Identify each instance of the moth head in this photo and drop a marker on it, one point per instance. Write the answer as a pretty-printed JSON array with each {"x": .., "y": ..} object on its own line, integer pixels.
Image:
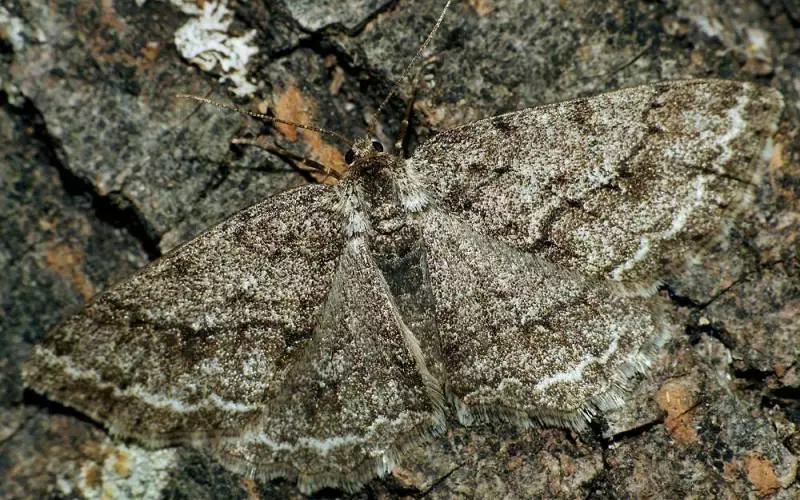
[{"x": 363, "y": 152}]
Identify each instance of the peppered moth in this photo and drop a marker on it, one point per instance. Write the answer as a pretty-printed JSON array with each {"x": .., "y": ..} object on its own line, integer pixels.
[{"x": 506, "y": 271}]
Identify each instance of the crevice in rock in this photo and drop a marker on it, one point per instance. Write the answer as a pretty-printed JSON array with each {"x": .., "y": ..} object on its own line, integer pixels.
[
  {"x": 114, "y": 208},
  {"x": 323, "y": 41},
  {"x": 386, "y": 7},
  {"x": 214, "y": 181},
  {"x": 714, "y": 329},
  {"x": 686, "y": 301},
  {"x": 600, "y": 486},
  {"x": 752, "y": 374},
  {"x": 681, "y": 300},
  {"x": 439, "y": 481},
  {"x": 632, "y": 433},
  {"x": 326, "y": 42},
  {"x": 784, "y": 397},
  {"x": 35, "y": 400},
  {"x": 787, "y": 399}
]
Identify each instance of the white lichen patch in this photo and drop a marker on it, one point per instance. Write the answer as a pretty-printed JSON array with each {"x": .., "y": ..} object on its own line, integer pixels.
[
  {"x": 12, "y": 29},
  {"x": 127, "y": 472},
  {"x": 205, "y": 41},
  {"x": 19, "y": 35}
]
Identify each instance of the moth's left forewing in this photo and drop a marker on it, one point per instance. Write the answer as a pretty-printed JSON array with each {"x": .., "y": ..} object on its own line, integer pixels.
[{"x": 623, "y": 184}]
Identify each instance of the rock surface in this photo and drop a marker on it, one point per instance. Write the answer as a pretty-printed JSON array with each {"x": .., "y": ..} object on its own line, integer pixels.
[{"x": 104, "y": 170}]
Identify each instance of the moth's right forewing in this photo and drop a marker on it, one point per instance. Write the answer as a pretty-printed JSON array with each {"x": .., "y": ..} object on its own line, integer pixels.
[
  {"x": 191, "y": 344},
  {"x": 622, "y": 184}
]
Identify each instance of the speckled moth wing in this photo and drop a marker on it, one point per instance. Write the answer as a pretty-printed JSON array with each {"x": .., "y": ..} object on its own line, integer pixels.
[
  {"x": 193, "y": 343},
  {"x": 357, "y": 397},
  {"x": 622, "y": 184},
  {"x": 525, "y": 340}
]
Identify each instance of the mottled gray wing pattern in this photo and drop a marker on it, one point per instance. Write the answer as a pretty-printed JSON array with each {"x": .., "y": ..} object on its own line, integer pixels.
[
  {"x": 524, "y": 340},
  {"x": 353, "y": 400},
  {"x": 279, "y": 347},
  {"x": 621, "y": 184},
  {"x": 194, "y": 343}
]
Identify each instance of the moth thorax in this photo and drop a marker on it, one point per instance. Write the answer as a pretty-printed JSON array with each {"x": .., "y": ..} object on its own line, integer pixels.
[
  {"x": 374, "y": 164},
  {"x": 392, "y": 182}
]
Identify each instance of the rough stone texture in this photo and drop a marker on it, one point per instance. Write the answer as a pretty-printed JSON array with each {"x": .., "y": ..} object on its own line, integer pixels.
[
  {"x": 102, "y": 170},
  {"x": 315, "y": 14}
]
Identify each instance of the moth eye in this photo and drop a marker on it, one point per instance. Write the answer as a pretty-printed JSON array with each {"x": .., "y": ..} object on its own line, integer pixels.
[
  {"x": 349, "y": 157},
  {"x": 377, "y": 146}
]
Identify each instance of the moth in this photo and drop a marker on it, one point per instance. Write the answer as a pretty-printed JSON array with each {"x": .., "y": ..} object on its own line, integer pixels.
[{"x": 507, "y": 271}]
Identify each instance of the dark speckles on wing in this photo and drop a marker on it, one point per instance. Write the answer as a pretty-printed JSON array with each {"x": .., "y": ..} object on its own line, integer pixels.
[
  {"x": 581, "y": 115},
  {"x": 521, "y": 288},
  {"x": 651, "y": 161},
  {"x": 505, "y": 127}
]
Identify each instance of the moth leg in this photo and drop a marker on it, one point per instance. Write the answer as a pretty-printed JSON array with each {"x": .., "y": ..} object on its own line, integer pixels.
[
  {"x": 401, "y": 144},
  {"x": 321, "y": 173}
]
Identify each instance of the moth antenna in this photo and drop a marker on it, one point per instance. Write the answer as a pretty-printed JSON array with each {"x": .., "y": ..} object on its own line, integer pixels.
[
  {"x": 373, "y": 120},
  {"x": 267, "y": 118}
]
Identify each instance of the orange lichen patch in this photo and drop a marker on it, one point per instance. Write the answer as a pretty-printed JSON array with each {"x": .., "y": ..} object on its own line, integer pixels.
[
  {"x": 151, "y": 50},
  {"x": 46, "y": 224},
  {"x": 109, "y": 17},
  {"x": 121, "y": 464},
  {"x": 761, "y": 474},
  {"x": 777, "y": 160},
  {"x": 327, "y": 155},
  {"x": 675, "y": 26},
  {"x": 329, "y": 61},
  {"x": 95, "y": 451},
  {"x": 66, "y": 261},
  {"x": 292, "y": 105},
  {"x": 697, "y": 59},
  {"x": 730, "y": 471},
  {"x": 482, "y": 7},
  {"x": 252, "y": 488},
  {"x": 93, "y": 475},
  {"x": 515, "y": 463},
  {"x": 678, "y": 401},
  {"x": 402, "y": 474},
  {"x": 337, "y": 81}
]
